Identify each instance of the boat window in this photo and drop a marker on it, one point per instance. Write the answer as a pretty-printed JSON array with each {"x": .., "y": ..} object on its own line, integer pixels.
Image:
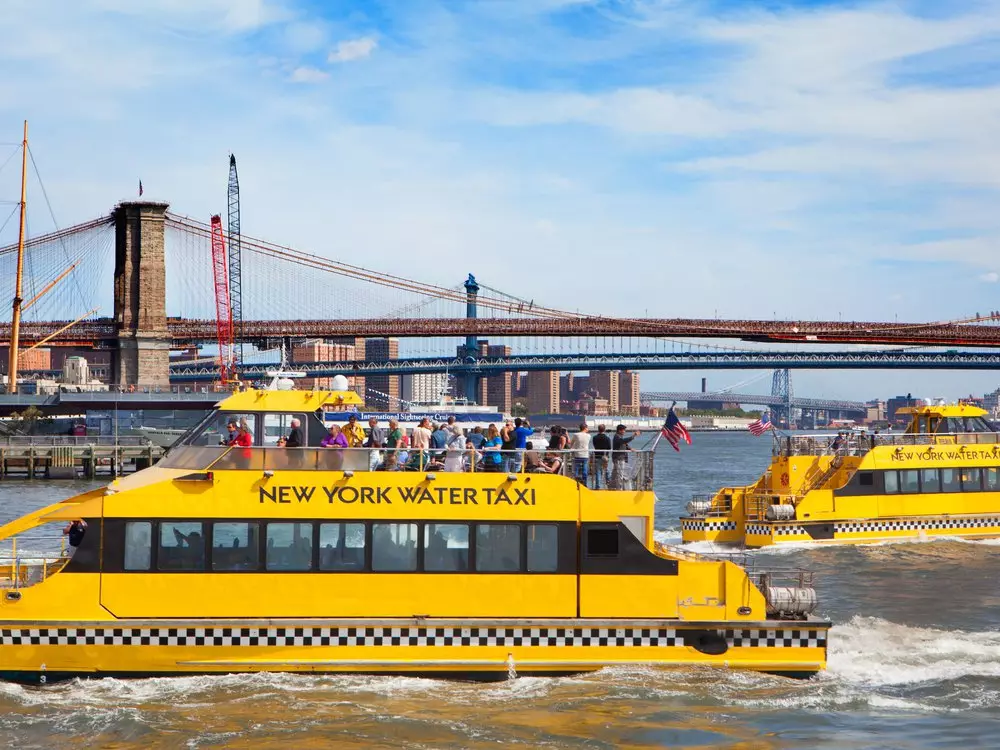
[
  {"x": 138, "y": 544},
  {"x": 235, "y": 546},
  {"x": 930, "y": 481},
  {"x": 182, "y": 546},
  {"x": 277, "y": 426},
  {"x": 602, "y": 542},
  {"x": 446, "y": 546},
  {"x": 891, "y": 482},
  {"x": 543, "y": 548},
  {"x": 950, "y": 480},
  {"x": 866, "y": 478},
  {"x": 972, "y": 480},
  {"x": 498, "y": 547},
  {"x": 214, "y": 431},
  {"x": 909, "y": 481},
  {"x": 991, "y": 479},
  {"x": 289, "y": 546},
  {"x": 394, "y": 546},
  {"x": 342, "y": 546}
]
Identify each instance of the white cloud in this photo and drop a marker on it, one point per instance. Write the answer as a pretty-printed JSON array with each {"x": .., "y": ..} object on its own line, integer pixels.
[
  {"x": 308, "y": 74},
  {"x": 992, "y": 277},
  {"x": 353, "y": 49}
]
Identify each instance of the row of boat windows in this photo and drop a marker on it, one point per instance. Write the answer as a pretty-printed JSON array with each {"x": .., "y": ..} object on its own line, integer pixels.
[
  {"x": 908, "y": 481},
  {"x": 381, "y": 547}
]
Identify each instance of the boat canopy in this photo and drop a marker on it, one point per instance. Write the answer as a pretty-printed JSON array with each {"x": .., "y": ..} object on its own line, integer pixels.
[
  {"x": 953, "y": 419},
  {"x": 290, "y": 402}
]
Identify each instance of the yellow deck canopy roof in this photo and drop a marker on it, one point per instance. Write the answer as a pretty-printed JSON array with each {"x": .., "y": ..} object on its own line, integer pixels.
[
  {"x": 944, "y": 410},
  {"x": 288, "y": 401}
]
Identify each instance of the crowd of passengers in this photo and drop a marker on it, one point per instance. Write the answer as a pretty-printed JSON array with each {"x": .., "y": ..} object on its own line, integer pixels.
[{"x": 597, "y": 460}]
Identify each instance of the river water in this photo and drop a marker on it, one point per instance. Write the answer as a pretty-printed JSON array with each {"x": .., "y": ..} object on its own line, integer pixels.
[{"x": 914, "y": 662}]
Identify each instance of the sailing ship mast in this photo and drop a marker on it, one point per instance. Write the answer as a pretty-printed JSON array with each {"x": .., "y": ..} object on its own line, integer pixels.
[{"x": 15, "y": 321}]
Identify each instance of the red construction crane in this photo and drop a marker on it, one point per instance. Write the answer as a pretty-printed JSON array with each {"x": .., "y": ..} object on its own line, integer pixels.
[{"x": 223, "y": 311}]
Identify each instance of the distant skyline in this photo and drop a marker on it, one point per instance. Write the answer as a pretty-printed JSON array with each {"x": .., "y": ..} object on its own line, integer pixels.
[{"x": 810, "y": 159}]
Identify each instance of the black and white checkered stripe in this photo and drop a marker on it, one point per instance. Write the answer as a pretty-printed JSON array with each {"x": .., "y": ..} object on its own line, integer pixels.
[
  {"x": 776, "y": 638},
  {"x": 704, "y": 525},
  {"x": 401, "y": 636},
  {"x": 914, "y": 524},
  {"x": 768, "y": 530}
]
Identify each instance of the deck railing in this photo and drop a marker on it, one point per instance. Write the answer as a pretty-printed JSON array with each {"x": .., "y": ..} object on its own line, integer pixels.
[
  {"x": 625, "y": 470},
  {"x": 29, "y": 559},
  {"x": 859, "y": 444}
]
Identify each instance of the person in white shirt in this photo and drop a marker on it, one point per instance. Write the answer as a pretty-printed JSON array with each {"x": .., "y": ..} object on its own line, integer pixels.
[{"x": 580, "y": 445}]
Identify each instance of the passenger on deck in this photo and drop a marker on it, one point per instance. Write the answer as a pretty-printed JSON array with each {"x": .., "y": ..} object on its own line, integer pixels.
[
  {"x": 75, "y": 530},
  {"x": 374, "y": 441},
  {"x": 439, "y": 441},
  {"x": 477, "y": 438},
  {"x": 471, "y": 457},
  {"x": 602, "y": 449},
  {"x": 455, "y": 445},
  {"x": 493, "y": 459},
  {"x": 353, "y": 432},
  {"x": 295, "y": 438},
  {"x": 232, "y": 432},
  {"x": 390, "y": 463},
  {"x": 395, "y": 437},
  {"x": 620, "y": 448},
  {"x": 421, "y": 443},
  {"x": 335, "y": 438},
  {"x": 580, "y": 445},
  {"x": 533, "y": 460},
  {"x": 242, "y": 438}
]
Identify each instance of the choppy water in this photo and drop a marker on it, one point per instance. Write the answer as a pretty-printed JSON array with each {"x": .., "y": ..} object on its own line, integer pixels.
[{"x": 914, "y": 663}]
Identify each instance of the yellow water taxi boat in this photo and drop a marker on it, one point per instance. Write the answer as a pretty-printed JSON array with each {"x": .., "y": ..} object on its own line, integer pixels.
[
  {"x": 226, "y": 559},
  {"x": 939, "y": 478}
]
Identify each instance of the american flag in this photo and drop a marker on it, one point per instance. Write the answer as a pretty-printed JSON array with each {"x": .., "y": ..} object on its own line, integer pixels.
[
  {"x": 760, "y": 426},
  {"x": 674, "y": 431}
]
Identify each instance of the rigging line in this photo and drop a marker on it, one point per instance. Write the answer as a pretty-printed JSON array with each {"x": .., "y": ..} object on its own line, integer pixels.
[
  {"x": 12, "y": 155},
  {"x": 55, "y": 223},
  {"x": 7, "y": 220}
]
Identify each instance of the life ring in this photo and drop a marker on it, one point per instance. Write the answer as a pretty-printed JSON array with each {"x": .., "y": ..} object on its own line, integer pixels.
[{"x": 784, "y": 479}]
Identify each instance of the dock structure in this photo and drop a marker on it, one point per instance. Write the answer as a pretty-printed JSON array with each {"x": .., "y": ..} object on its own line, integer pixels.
[{"x": 66, "y": 457}]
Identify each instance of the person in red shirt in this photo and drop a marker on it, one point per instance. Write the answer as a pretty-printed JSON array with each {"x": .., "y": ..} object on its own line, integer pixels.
[{"x": 242, "y": 436}]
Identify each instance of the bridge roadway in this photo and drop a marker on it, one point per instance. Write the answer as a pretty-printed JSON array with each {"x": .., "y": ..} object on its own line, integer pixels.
[
  {"x": 485, "y": 366},
  {"x": 665, "y": 397},
  {"x": 183, "y": 332}
]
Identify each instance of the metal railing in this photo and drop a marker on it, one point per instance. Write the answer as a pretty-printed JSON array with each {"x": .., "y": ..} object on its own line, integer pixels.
[
  {"x": 858, "y": 444},
  {"x": 41, "y": 441},
  {"x": 22, "y": 565},
  {"x": 627, "y": 470},
  {"x": 707, "y": 506}
]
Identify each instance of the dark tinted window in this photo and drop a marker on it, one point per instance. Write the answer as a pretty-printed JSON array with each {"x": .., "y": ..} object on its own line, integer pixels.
[
  {"x": 498, "y": 547},
  {"x": 972, "y": 480},
  {"x": 950, "y": 480},
  {"x": 446, "y": 547},
  {"x": 891, "y": 479},
  {"x": 909, "y": 481},
  {"x": 234, "y": 546},
  {"x": 866, "y": 478},
  {"x": 929, "y": 480},
  {"x": 543, "y": 548},
  {"x": 138, "y": 544},
  {"x": 289, "y": 546},
  {"x": 394, "y": 546},
  {"x": 342, "y": 546},
  {"x": 602, "y": 542},
  {"x": 182, "y": 546}
]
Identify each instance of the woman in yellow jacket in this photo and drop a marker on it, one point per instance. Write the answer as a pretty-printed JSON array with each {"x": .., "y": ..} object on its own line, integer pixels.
[{"x": 354, "y": 432}]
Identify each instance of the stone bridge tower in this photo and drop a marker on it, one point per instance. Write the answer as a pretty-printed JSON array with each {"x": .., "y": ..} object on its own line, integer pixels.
[{"x": 143, "y": 356}]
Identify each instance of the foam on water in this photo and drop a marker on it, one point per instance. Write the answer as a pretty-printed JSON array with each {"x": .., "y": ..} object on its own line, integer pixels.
[{"x": 873, "y": 652}]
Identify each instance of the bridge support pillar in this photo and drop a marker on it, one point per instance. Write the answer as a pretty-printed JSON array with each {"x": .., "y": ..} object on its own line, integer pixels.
[
  {"x": 471, "y": 379},
  {"x": 143, "y": 355}
]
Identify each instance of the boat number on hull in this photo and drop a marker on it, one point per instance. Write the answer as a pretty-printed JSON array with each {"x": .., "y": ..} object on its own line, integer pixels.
[
  {"x": 388, "y": 495},
  {"x": 946, "y": 455}
]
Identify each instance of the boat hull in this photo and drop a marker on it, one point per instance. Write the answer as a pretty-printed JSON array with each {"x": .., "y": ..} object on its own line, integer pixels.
[{"x": 40, "y": 653}]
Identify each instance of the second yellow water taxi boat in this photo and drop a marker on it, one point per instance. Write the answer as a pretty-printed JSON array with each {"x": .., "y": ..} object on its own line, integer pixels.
[{"x": 939, "y": 478}]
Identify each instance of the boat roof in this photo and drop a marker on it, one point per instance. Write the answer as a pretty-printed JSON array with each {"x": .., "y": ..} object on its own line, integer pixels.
[
  {"x": 253, "y": 399},
  {"x": 944, "y": 410}
]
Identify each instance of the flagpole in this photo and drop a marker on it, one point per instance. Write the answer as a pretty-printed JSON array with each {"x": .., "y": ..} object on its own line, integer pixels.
[{"x": 659, "y": 434}]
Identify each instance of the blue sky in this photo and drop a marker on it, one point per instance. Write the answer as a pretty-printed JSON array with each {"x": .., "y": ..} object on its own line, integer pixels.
[{"x": 745, "y": 159}]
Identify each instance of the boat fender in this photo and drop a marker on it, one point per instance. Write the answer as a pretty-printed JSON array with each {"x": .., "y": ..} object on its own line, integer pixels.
[
  {"x": 709, "y": 642},
  {"x": 780, "y": 513}
]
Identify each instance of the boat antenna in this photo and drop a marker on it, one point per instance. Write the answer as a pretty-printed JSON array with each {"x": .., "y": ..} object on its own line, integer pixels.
[{"x": 15, "y": 320}]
